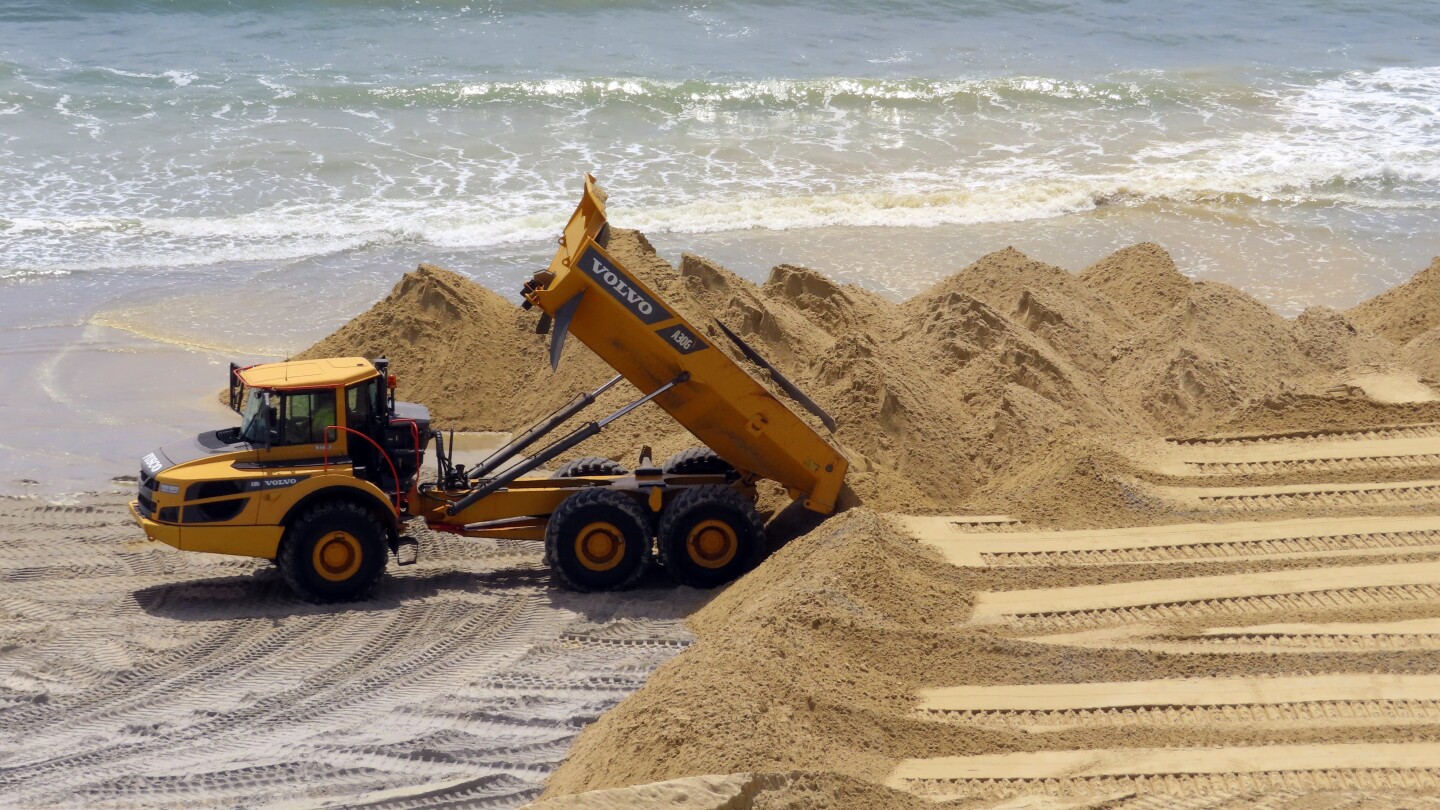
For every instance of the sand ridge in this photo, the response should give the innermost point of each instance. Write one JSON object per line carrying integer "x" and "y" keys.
{"x": 936, "y": 397}
{"x": 821, "y": 658}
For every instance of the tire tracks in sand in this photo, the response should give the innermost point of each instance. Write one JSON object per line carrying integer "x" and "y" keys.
{"x": 131, "y": 675}
{"x": 1345, "y": 568}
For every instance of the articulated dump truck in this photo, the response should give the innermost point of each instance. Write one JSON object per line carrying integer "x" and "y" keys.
{"x": 323, "y": 475}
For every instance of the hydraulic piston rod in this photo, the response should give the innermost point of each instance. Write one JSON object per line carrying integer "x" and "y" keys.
{"x": 559, "y": 446}
{"x": 581, "y": 401}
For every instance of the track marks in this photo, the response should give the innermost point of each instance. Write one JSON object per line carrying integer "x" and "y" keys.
{"x": 1317, "y": 700}
{"x": 1316, "y": 496}
{"x": 1182, "y": 543}
{"x": 1304, "y": 465}
{"x": 1198, "y": 598}
{"x": 131, "y": 675}
{"x": 1412, "y": 634}
{"x": 1304, "y": 473}
{"x": 1176, "y": 772}
{"x": 1421, "y": 431}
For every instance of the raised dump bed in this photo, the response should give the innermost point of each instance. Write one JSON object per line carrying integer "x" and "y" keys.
{"x": 594, "y": 297}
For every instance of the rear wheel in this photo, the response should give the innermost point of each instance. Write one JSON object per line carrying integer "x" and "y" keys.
{"x": 589, "y": 465}
{"x": 710, "y": 535}
{"x": 334, "y": 552}
{"x": 697, "y": 461}
{"x": 598, "y": 540}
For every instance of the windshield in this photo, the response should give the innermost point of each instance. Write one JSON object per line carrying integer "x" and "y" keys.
{"x": 252, "y": 419}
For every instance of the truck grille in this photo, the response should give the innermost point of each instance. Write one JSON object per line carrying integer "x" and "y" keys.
{"x": 146, "y": 498}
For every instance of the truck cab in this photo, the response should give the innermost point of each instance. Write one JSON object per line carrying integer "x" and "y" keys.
{"x": 320, "y": 442}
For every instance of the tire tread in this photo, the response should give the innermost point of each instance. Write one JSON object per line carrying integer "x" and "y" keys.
{"x": 698, "y": 496}
{"x": 697, "y": 461}
{"x": 585, "y": 499}
{"x": 290, "y": 566}
{"x": 589, "y": 465}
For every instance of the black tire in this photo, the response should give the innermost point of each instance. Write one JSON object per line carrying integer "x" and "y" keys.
{"x": 580, "y": 566}
{"x": 697, "y": 461}
{"x": 589, "y": 465}
{"x": 334, "y": 552}
{"x": 704, "y": 511}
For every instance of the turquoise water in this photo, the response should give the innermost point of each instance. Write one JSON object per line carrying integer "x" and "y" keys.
{"x": 182, "y": 182}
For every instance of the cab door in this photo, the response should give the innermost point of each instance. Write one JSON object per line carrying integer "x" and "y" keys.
{"x": 305, "y": 444}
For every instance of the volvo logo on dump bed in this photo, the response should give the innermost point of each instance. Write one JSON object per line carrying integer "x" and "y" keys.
{"x": 623, "y": 288}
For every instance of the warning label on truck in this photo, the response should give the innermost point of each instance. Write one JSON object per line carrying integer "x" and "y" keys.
{"x": 619, "y": 285}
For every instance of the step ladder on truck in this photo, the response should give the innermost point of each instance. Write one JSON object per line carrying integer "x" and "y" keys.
{"x": 323, "y": 474}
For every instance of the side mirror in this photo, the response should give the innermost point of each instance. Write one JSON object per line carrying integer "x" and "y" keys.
{"x": 237, "y": 389}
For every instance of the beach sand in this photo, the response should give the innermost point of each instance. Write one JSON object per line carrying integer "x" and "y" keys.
{"x": 1089, "y": 486}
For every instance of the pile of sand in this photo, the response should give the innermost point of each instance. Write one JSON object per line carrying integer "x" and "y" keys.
{"x": 811, "y": 663}
{"x": 1405, "y": 312}
{"x": 1008, "y": 388}
{"x": 1409, "y": 315}
{"x": 934, "y": 396}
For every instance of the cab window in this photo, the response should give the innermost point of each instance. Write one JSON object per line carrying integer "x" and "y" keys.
{"x": 305, "y": 416}
{"x": 360, "y": 404}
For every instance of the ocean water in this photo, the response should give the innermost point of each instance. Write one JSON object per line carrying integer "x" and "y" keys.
{"x": 182, "y": 183}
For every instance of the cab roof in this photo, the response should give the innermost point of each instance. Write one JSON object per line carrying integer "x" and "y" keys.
{"x": 326, "y": 372}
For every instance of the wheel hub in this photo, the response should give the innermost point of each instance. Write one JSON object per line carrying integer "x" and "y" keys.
{"x": 337, "y": 556}
{"x": 712, "y": 544}
{"x": 600, "y": 546}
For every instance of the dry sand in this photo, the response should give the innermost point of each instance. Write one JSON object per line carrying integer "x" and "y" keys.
{"x": 1113, "y": 478}
{"x": 1280, "y": 610}
{"x": 132, "y": 675}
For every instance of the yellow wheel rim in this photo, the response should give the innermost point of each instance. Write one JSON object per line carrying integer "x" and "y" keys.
{"x": 337, "y": 556}
{"x": 712, "y": 544}
{"x": 599, "y": 546}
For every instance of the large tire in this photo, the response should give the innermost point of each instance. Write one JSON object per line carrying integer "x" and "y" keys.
{"x": 589, "y": 465}
{"x": 709, "y": 536}
{"x": 598, "y": 540}
{"x": 334, "y": 552}
{"x": 697, "y": 461}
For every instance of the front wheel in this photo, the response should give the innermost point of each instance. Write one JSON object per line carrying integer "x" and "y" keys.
{"x": 334, "y": 552}
{"x": 709, "y": 536}
{"x": 598, "y": 540}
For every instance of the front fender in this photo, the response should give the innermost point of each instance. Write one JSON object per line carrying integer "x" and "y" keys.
{"x": 321, "y": 487}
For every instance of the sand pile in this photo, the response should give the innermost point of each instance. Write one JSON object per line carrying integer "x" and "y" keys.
{"x": 463, "y": 350}
{"x": 934, "y": 396}
{"x": 794, "y": 790}
{"x": 1012, "y": 387}
{"x": 1423, "y": 354}
{"x": 812, "y": 662}
{"x": 1409, "y": 315}
{"x": 1142, "y": 279}
{"x": 956, "y": 383}
{"x": 1405, "y": 312}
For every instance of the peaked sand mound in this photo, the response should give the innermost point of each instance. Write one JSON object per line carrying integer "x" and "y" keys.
{"x": 1142, "y": 279}
{"x": 1403, "y": 313}
{"x": 1012, "y": 387}
{"x": 933, "y": 397}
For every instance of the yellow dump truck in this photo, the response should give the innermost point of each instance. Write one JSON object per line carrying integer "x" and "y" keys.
{"x": 323, "y": 474}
